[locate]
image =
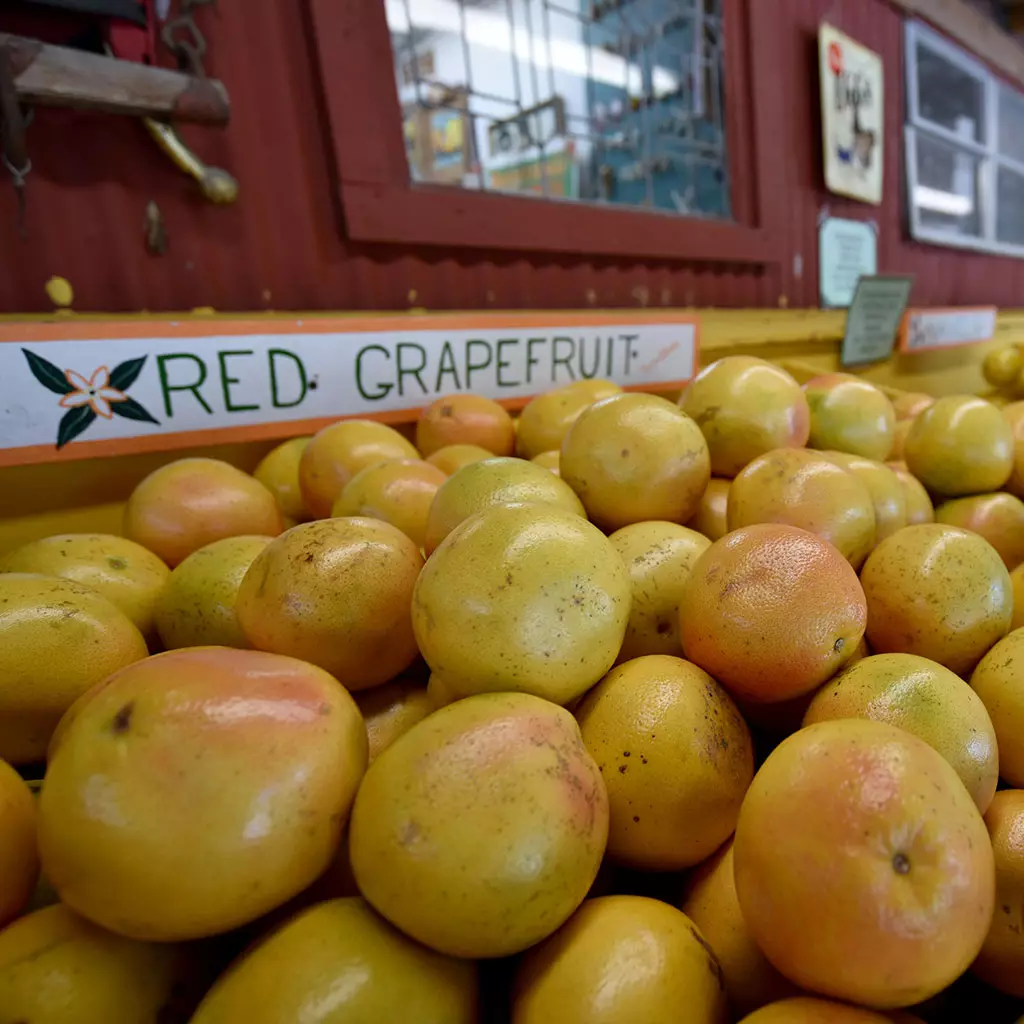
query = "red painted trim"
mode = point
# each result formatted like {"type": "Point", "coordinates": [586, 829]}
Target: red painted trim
{"type": "Point", "coordinates": [380, 204]}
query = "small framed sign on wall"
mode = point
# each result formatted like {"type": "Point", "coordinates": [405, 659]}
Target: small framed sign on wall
{"type": "Point", "coordinates": [852, 118]}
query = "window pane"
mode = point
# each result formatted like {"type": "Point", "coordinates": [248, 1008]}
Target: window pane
{"type": "Point", "coordinates": [1011, 123]}
{"type": "Point", "coordinates": [946, 193]}
{"type": "Point", "coordinates": [949, 96]}
{"type": "Point", "coordinates": [1010, 207]}
{"type": "Point", "coordinates": [571, 99]}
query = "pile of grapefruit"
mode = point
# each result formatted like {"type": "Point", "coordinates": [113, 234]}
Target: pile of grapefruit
{"type": "Point", "coordinates": [624, 711]}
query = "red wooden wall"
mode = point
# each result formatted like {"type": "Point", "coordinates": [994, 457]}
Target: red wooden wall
{"type": "Point", "coordinates": [283, 246]}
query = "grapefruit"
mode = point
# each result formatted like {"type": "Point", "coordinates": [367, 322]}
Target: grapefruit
{"type": "Point", "coordinates": [676, 757]}
{"type": "Point", "coordinates": [937, 591]}
{"type": "Point", "coordinates": [888, 495]}
{"type": "Point", "coordinates": [907, 404]}
{"type": "Point", "coordinates": [19, 861]}
{"type": "Point", "coordinates": [919, 505]}
{"type": "Point", "coordinates": [710, 517]}
{"type": "Point", "coordinates": [1017, 580]}
{"type": "Point", "coordinates": [398, 492]}
{"type": "Point", "coordinates": [453, 457]}
{"type": "Point", "coordinates": [748, 583]}
{"type": "Point", "coordinates": [800, 488]}
{"type": "Point", "coordinates": [925, 699]}
{"type": "Point", "coordinates": [128, 575]}
{"type": "Point", "coordinates": [659, 557]}
{"type": "Point", "coordinates": [635, 457]}
{"type": "Point", "coordinates": [999, 518]}
{"type": "Point", "coordinates": [340, 961]}
{"type": "Point", "coordinates": [863, 868]}
{"type": "Point", "coordinates": [483, 485]}
{"type": "Point", "coordinates": [528, 598]}
{"type": "Point", "coordinates": [465, 419]}
{"type": "Point", "coordinates": [996, 681]}
{"type": "Point", "coordinates": [278, 471]}
{"type": "Point", "coordinates": [808, 1010]}
{"type": "Point", "coordinates": [711, 903]}
{"type": "Point", "coordinates": [190, 503]}
{"type": "Point", "coordinates": [1001, 366]}
{"type": "Point", "coordinates": [1014, 416]}
{"type": "Point", "coordinates": [479, 831]}
{"type": "Point", "coordinates": [335, 593]}
{"type": "Point", "coordinates": [618, 959]}
{"type": "Point", "coordinates": [224, 779]}
{"type": "Point", "coordinates": [544, 421]}
{"type": "Point", "coordinates": [549, 460]}
{"type": "Point", "coordinates": [1001, 960]}
{"type": "Point", "coordinates": [850, 415]}
{"type": "Point", "coordinates": [960, 445]}
{"type": "Point", "coordinates": [335, 454]}
{"type": "Point", "coordinates": [392, 710]}
{"type": "Point", "coordinates": [58, 967]}
{"type": "Point", "coordinates": [197, 607]}
{"type": "Point", "coordinates": [745, 407]}
{"type": "Point", "coordinates": [57, 640]}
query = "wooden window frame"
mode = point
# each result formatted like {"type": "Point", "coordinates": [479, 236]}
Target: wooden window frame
{"type": "Point", "coordinates": [381, 204]}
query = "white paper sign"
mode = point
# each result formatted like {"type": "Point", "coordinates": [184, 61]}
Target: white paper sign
{"type": "Point", "coordinates": [853, 127]}
{"type": "Point", "coordinates": [925, 329]}
{"type": "Point", "coordinates": [848, 251]}
{"type": "Point", "coordinates": [80, 394]}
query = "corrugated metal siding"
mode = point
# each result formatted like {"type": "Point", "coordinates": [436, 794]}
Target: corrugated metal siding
{"type": "Point", "coordinates": [283, 246]}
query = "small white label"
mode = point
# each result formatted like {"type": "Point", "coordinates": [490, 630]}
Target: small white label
{"type": "Point", "coordinates": [947, 328]}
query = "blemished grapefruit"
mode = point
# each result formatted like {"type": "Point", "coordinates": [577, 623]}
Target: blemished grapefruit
{"type": "Point", "coordinates": [278, 471]}
{"type": "Point", "coordinates": [800, 488]}
{"type": "Point", "coordinates": [862, 865]}
{"type": "Point", "coordinates": [341, 961]}
{"type": "Point", "coordinates": [619, 959]}
{"type": "Point", "coordinates": [479, 831]}
{"type": "Point", "coordinates": [190, 503]}
{"type": "Point", "coordinates": [205, 759]}
{"type": "Point", "coordinates": [745, 407]}
{"type": "Point", "coordinates": [128, 575]}
{"type": "Point", "coordinates": [399, 492]}
{"type": "Point", "coordinates": [710, 517]}
{"type": "Point", "coordinates": [749, 583]}
{"type": "Point", "coordinates": [452, 458]}
{"type": "Point", "coordinates": [19, 861]}
{"type": "Point", "coordinates": [633, 458]}
{"type": "Point", "coordinates": [937, 591]}
{"type": "Point", "coordinates": [659, 558]}
{"type": "Point", "coordinates": [927, 700]}
{"type": "Point", "coordinates": [998, 517]}
{"type": "Point", "coordinates": [489, 483]}
{"type": "Point", "coordinates": [336, 593]}
{"type": "Point", "coordinates": [676, 757]}
{"type": "Point", "coordinates": [465, 419]}
{"type": "Point", "coordinates": [850, 415]}
{"type": "Point", "coordinates": [960, 445]}
{"type": "Point", "coordinates": [710, 902]}
{"type": "Point", "coordinates": [335, 454]}
{"type": "Point", "coordinates": [997, 681]}
{"type": "Point", "coordinates": [529, 598]}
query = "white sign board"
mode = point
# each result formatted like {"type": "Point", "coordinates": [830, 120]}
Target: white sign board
{"type": "Point", "coordinates": [72, 390]}
{"type": "Point", "coordinates": [848, 251]}
{"type": "Point", "coordinates": [925, 329]}
{"type": "Point", "coordinates": [852, 116]}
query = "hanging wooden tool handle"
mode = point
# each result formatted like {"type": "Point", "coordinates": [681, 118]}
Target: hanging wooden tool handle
{"type": "Point", "coordinates": [63, 77]}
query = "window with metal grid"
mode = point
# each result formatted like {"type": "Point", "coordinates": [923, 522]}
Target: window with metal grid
{"type": "Point", "coordinates": [612, 101]}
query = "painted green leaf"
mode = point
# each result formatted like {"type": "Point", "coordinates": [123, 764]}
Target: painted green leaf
{"type": "Point", "coordinates": [47, 374]}
{"type": "Point", "coordinates": [72, 423]}
{"type": "Point", "coordinates": [125, 374]}
{"type": "Point", "coordinates": [132, 410]}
